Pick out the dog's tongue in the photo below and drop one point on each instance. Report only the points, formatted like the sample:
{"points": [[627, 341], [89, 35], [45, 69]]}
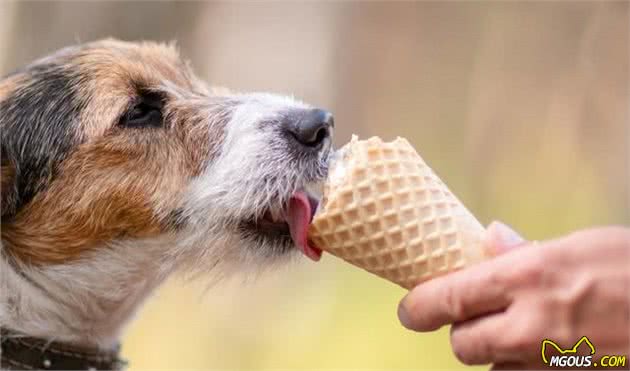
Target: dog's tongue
{"points": [[299, 215]]}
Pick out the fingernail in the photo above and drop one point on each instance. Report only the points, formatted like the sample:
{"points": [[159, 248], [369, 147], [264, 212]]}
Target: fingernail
{"points": [[403, 317], [506, 236]]}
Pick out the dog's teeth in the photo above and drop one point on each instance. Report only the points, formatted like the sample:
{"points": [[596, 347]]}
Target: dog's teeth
{"points": [[276, 215]]}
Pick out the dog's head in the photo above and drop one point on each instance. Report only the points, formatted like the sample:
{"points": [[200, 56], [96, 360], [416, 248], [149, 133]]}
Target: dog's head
{"points": [[114, 143]]}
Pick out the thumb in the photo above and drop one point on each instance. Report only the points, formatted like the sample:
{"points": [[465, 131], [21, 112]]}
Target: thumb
{"points": [[502, 238]]}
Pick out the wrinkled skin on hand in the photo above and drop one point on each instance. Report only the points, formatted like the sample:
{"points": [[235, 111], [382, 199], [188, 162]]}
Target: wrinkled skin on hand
{"points": [[501, 310]]}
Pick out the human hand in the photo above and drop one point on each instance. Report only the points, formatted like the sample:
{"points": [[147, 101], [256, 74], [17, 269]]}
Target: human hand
{"points": [[502, 309]]}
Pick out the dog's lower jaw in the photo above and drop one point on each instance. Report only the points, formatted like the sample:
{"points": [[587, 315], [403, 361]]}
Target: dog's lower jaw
{"points": [[86, 302]]}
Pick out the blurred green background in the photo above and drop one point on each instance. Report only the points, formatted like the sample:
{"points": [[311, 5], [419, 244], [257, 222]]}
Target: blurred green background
{"points": [[521, 107]]}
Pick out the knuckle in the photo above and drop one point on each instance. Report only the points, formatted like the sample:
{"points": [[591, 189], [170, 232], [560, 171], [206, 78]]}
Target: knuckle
{"points": [[564, 334], [530, 271], [452, 303], [564, 321], [497, 279]]}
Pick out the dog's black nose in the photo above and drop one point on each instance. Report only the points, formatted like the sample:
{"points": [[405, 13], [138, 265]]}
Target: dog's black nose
{"points": [[311, 127]]}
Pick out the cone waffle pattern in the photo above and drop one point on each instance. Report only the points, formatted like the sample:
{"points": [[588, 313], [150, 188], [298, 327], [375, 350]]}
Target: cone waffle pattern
{"points": [[391, 215]]}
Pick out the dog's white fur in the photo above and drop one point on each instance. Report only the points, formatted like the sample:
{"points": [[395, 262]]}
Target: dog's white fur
{"points": [[88, 301]]}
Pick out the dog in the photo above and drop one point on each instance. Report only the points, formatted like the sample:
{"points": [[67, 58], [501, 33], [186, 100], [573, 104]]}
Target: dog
{"points": [[119, 168]]}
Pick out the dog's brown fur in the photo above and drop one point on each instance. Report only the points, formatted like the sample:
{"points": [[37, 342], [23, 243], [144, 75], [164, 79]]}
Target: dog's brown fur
{"points": [[117, 182], [119, 168]]}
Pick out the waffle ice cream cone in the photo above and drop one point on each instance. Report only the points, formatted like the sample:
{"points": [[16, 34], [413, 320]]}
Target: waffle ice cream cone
{"points": [[384, 210]]}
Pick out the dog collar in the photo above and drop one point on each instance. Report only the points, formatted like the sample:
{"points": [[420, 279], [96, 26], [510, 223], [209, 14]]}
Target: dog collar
{"points": [[19, 352]]}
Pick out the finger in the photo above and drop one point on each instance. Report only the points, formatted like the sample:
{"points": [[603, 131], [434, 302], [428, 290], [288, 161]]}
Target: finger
{"points": [[465, 294], [456, 297], [477, 341]]}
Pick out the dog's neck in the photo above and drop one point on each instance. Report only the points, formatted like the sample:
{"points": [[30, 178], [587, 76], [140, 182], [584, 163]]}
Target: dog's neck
{"points": [[86, 302]]}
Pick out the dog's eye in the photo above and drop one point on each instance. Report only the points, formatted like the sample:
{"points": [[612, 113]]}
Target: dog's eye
{"points": [[147, 112]]}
